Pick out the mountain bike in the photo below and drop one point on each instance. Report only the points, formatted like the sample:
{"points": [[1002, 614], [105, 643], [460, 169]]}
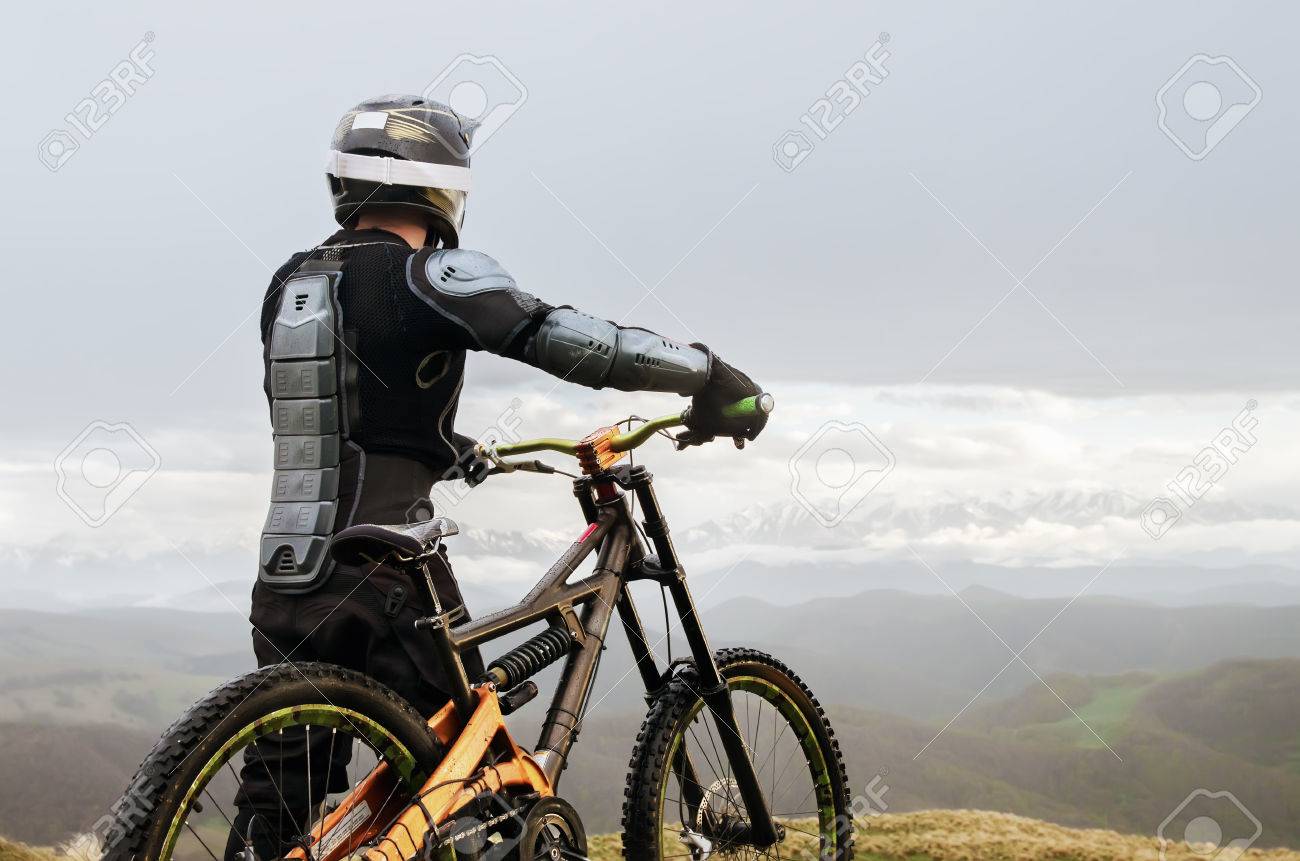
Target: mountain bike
{"points": [[735, 757]]}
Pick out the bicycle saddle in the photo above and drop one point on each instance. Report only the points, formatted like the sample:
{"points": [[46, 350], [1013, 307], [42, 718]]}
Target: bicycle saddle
{"points": [[371, 543]]}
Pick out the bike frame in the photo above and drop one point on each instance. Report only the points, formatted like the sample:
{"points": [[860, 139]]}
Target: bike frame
{"points": [[471, 722]]}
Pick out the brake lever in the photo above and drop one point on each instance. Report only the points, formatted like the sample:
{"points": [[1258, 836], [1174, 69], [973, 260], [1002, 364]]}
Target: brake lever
{"points": [[501, 466]]}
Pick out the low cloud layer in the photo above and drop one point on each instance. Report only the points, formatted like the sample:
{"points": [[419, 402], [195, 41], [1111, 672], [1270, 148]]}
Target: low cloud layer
{"points": [[997, 476]]}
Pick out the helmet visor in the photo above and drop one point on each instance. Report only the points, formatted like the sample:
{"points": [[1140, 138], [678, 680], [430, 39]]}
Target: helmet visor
{"points": [[449, 201]]}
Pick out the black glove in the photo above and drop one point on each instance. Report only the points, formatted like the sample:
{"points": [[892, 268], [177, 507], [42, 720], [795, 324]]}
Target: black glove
{"points": [[725, 386], [469, 465]]}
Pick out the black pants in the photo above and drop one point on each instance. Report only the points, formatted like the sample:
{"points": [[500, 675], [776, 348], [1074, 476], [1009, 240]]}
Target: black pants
{"points": [[362, 620]]}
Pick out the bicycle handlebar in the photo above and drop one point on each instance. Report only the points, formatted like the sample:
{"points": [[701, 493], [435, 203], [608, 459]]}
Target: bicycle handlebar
{"points": [[747, 407]]}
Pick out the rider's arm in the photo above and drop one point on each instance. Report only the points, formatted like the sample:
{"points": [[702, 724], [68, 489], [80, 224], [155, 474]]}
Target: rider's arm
{"points": [[475, 292], [491, 313]]}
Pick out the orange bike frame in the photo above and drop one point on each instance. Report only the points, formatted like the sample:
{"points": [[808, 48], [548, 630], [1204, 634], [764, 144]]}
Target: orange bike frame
{"points": [[455, 783], [481, 755]]}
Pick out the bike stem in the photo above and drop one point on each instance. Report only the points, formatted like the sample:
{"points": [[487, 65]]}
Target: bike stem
{"points": [[667, 569]]}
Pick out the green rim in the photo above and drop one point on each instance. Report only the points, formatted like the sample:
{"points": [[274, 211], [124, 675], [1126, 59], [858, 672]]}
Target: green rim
{"points": [[807, 737], [384, 743]]}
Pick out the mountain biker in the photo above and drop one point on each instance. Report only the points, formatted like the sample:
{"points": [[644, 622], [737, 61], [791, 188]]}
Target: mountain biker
{"points": [[364, 341]]}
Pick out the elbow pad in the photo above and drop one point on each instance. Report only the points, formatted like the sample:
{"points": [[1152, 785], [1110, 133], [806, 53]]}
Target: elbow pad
{"points": [[583, 349]]}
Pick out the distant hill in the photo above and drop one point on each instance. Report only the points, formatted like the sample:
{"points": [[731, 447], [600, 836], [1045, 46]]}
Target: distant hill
{"points": [[1247, 709], [133, 667], [919, 656], [59, 780], [92, 690], [924, 656], [1029, 756], [1040, 762]]}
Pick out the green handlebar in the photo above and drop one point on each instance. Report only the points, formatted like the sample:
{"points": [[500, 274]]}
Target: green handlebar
{"points": [[645, 430], [750, 406], [745, 408]]}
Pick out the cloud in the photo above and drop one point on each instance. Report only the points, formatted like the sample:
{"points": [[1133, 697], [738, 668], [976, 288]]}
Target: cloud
{"points": [[987, 474]]}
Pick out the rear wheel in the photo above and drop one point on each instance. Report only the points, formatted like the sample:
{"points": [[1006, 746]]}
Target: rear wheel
{"points": [[682, 801], [181, 804]]}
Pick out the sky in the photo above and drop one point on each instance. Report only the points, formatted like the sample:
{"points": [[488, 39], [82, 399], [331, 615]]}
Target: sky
{"points": [[1032, 256]]}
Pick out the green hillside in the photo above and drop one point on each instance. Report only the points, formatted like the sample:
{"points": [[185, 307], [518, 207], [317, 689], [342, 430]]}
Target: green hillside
{"points": [[1248, 709], [1243, 708], [919, 656], [86, 696], [58, 780], [1029, 755]]}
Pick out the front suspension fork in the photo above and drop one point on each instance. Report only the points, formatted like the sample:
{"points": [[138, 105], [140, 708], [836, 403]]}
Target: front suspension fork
{"points": [[666, 568]]}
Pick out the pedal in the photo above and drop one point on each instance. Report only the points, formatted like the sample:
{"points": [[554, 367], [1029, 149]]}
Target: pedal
{"points": [[517, 697]]}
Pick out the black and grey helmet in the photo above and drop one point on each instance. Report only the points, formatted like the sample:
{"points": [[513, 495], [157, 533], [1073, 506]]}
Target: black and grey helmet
{"points": [[402, 151]]}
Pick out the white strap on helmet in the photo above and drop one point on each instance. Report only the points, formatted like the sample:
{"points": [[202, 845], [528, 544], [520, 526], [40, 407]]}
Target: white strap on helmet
{"points": [[397, 171]]}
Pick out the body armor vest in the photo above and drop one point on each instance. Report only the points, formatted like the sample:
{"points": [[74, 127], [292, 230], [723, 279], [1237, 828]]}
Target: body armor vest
{"points": [[308, 422]]}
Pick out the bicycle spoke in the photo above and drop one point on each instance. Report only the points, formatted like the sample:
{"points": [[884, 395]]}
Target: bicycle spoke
{"points": [[284, 805], [202, 842], [708, 727], [800, 830], [716, 770], [782, 765], [776, 745], [747, 699], [329, 771], [218, 806], [785, 768], [307, 755]]}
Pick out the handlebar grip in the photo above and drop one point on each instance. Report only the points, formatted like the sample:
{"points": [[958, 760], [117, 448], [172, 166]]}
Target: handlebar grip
{"points": [[750, 406]]}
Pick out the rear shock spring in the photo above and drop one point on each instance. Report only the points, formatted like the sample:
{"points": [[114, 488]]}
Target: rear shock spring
{"points": [[530, 658]]}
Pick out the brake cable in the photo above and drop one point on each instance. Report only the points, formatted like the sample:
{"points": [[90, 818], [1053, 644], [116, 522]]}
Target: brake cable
{"points": [[663, 591]]}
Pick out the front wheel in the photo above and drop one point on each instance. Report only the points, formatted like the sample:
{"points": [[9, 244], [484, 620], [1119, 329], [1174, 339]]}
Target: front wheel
{"points": [[681, 801], [251, 772]]}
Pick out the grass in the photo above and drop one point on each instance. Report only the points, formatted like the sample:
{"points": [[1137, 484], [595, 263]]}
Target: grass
{"points": [[973, 835], [10, 851], [933, 835], [1106, 713], [965, 835]]}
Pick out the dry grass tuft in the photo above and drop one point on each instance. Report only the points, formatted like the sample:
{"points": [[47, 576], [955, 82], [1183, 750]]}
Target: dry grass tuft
{"points": [[10, 851], [932, 835], [976, 835]]}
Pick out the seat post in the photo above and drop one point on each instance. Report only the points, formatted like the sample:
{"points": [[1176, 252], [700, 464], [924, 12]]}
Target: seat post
{"points": [[439, 627], [428, 582]]}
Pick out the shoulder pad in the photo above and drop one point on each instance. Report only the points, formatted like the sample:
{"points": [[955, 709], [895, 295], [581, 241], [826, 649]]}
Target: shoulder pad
{"points": [[461, 272], [474, 292]]}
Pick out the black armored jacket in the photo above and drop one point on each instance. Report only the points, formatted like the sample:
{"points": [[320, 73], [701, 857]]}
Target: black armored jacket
{"points": [[364, 342]]}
